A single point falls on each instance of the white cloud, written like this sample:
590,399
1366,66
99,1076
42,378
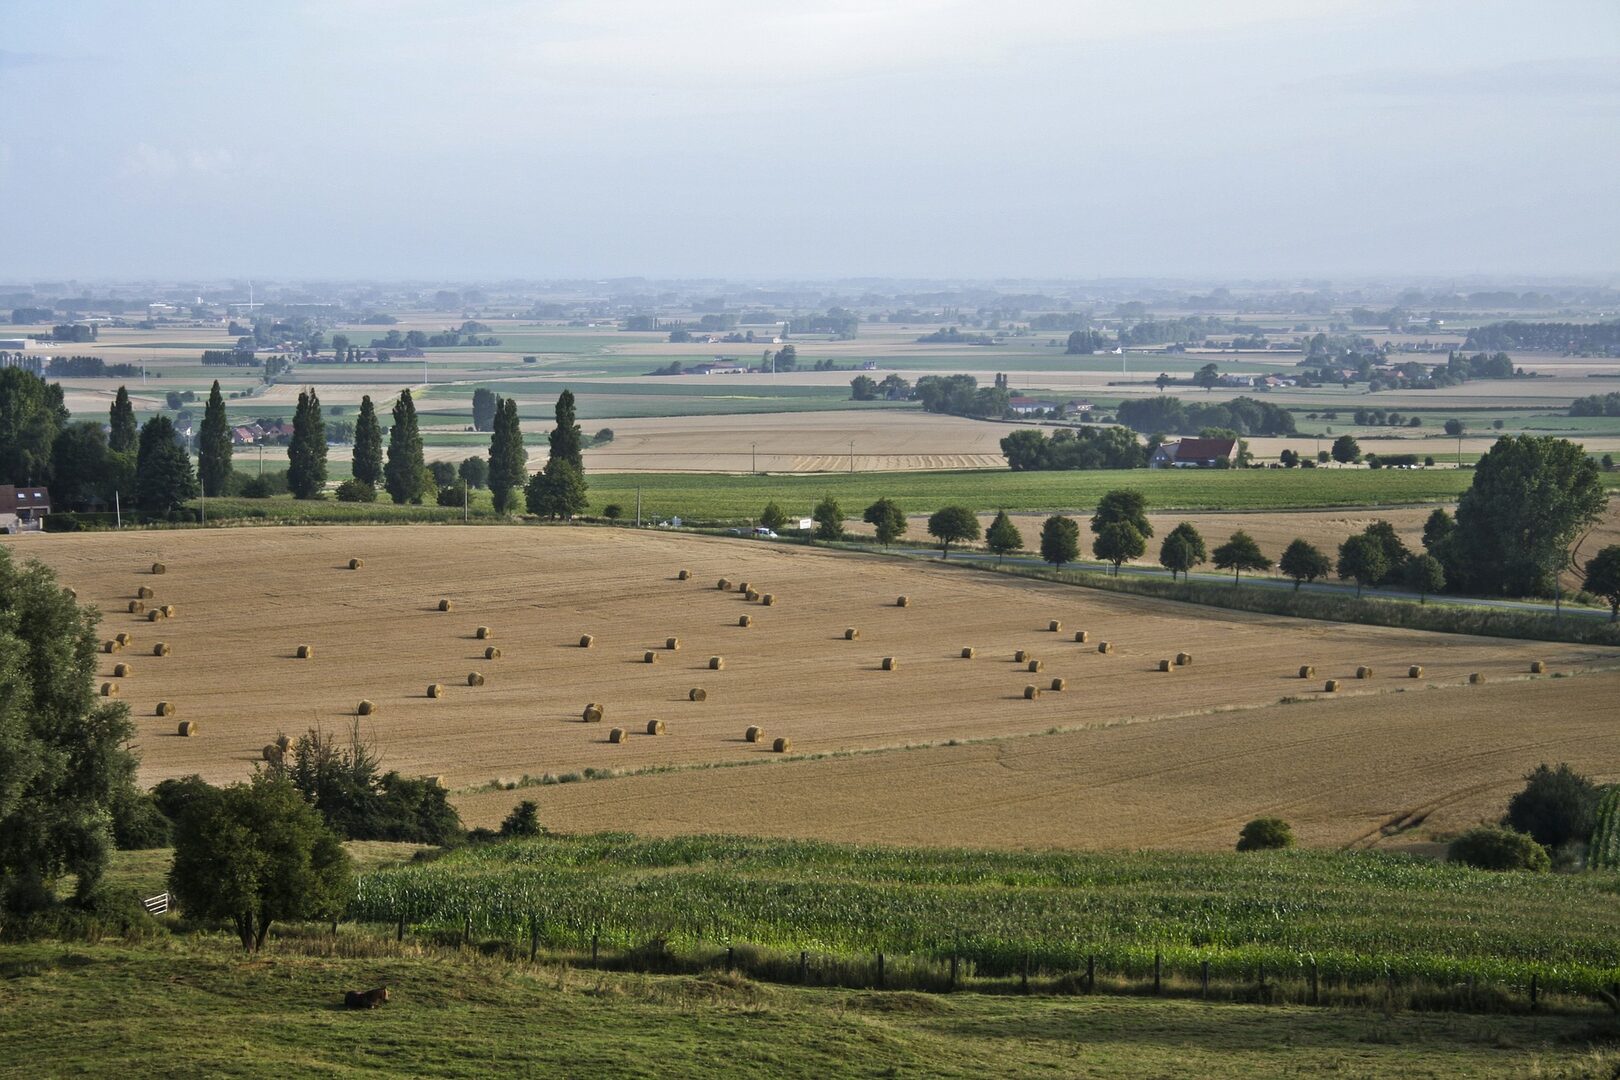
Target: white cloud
144,161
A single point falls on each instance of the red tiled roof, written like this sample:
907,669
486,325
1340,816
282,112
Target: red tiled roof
1204,449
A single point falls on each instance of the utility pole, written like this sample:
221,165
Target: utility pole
753,457
638,506
852,457
118,509
466,499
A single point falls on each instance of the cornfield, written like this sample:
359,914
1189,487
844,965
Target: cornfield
1605,848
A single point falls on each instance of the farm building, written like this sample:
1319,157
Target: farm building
1195,454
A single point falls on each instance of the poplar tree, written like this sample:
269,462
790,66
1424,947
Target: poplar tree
565,437
214,445
368,456
405,471
508,460
306,470
121,418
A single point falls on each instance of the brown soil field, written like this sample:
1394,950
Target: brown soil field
1391,771
247,598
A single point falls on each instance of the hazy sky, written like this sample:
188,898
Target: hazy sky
945,138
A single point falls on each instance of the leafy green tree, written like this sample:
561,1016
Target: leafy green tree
85,469
508,459
123,434
255,853
773,517
565,437
64,757
1530,497
31,415
888,521
1182,549
951,525
1423,574
1207,376
557,491
829,519
341,778
1060,540
1603,578
524,820
163,476
306,455
1487,847
1123,505
474,471
1362,558
787,358
1003,536
403,475
214,445
1454,428
1304,561
368,457
1556,806
1265,834
863,388
1395,552
444,474
353,491
1437,530
1240,553
1119,542
484,404
1346,450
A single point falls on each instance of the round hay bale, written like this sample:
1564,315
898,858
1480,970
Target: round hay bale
159,568
1183,659
137,608
366,708
1105,647
285,743
655,727
445,605
475,678
724,584
435,690
161,649
754,733
271,753
187,728
697,693
1058,685
617,735
484,633
592,714
649,657
306,652
1167,665
672,643
493,652
891,663
109,689
1081,636
768,599
73,593
751,596
1415,671
1538,667
852,633
744,588
1364,672
438,782
122,671
154,615
586,641
1031,692
745,620
168,611
683,575
1020,656
144,593
1476,678
164,708
1034,665
124,638
782,745
716,663
1331,686
357,564
111,645
1055,626
902,601
967,652
1306,671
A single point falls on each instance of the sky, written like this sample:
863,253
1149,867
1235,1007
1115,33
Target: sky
492,139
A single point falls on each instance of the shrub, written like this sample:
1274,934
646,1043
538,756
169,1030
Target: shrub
443,473
613,511
1491,848
1557,805
138,823
1265,834
452,494
524,820
356,491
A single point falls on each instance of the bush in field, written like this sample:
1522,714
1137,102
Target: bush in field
524,820
888,521
353,491
474,471
444,473
1557,805
773,517
1265,834
829,519
453,494
1491,848
137,822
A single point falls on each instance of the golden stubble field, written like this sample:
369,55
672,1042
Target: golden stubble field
245,599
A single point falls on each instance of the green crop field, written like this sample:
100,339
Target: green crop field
1362,917
715,497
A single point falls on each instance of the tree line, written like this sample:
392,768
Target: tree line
1172,415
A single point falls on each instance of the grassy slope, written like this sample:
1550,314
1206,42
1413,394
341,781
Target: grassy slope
195,1007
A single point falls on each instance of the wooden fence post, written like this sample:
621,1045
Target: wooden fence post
400,934
1203,978
880,971
1315,1000
1535,990
1158,966
804,966
534,937
1091,973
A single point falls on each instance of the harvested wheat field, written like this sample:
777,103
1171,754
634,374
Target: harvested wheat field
1390,772
245,599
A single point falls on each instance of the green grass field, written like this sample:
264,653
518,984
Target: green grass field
1362,917
698,496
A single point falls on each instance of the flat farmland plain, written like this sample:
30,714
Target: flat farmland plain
247,598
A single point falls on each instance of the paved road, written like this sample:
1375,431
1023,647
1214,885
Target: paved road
1328,587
